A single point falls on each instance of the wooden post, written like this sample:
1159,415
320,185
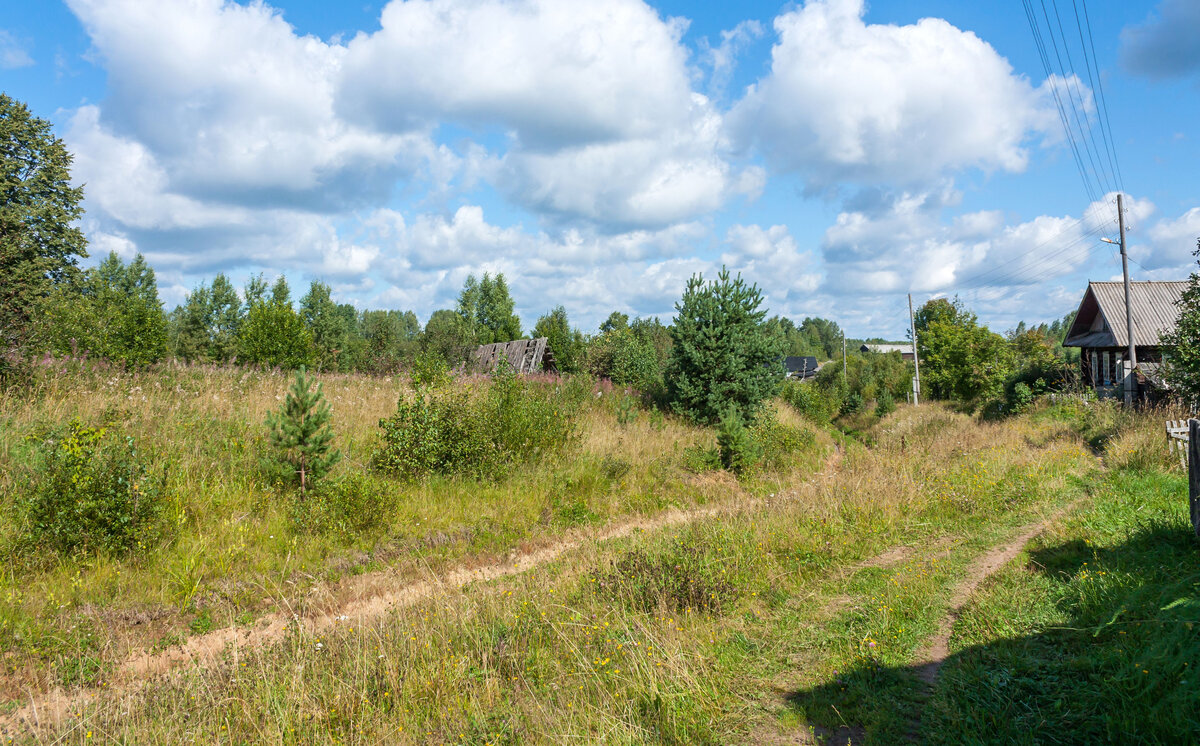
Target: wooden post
1194,473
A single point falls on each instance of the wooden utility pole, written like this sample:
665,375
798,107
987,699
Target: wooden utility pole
1131,355
912,328
843,354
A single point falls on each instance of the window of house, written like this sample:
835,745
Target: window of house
1106,370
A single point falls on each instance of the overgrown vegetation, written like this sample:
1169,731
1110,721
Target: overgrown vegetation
302,436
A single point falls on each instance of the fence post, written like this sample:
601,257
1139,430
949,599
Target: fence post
1194,473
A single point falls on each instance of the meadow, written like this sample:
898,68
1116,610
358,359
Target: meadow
622,590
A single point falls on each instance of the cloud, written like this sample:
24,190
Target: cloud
1166,44
1171,244
237,108
554,72
13,53
848,101
903,243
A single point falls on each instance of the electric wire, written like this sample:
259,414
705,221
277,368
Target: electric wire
1077,107
1043,55
1106,122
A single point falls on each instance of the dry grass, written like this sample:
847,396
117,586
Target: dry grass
547,656
237,555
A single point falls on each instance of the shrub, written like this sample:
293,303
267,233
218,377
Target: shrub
478,433
739,452
816,403
301,434
430,370
852,404
884,404
350,505
699,459
776,442
93,492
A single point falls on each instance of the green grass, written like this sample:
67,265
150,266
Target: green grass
1092,638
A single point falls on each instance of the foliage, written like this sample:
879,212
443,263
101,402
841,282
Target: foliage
852,404
391,340
776,442
301,434
566,343
739,452
487,308
624,358
723,354
478,433
429,370
334,328
205,327
449,337
868,374
884,404
1183,361
93,492
960,360
687,577
817,403
818,337
274,335
349,505
112,311
40,242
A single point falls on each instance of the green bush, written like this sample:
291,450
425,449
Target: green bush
853,403
478,433
884,404
93,492
738,450
815,402
350,505
776,442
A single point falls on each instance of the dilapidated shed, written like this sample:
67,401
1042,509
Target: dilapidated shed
524,355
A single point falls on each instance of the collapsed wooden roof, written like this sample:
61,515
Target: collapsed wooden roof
524,355
1100,321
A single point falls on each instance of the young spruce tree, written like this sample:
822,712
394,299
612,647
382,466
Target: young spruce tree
301,433
724,354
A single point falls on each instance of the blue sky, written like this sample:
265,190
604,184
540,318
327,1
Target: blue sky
839,154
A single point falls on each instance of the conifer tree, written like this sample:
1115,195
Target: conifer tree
724,354
300,431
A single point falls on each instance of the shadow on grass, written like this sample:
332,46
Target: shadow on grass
1118,663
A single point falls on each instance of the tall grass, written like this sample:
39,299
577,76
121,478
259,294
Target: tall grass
669,636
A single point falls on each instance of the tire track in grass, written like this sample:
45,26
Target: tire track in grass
205,650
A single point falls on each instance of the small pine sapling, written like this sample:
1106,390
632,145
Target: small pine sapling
301,433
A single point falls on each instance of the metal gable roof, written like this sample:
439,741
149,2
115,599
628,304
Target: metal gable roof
1152,305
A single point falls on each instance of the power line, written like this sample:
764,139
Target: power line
1106,123
1078,108
1039,42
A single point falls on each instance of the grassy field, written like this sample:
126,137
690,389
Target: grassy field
617,592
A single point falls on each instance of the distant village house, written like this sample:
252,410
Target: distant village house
1100,332
800,367
906,351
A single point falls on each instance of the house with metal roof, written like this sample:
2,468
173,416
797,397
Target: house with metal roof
1100,333
800,367
906,351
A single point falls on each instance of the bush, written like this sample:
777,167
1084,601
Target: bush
852,404
93,492
688,577
478,433
884,404
348,506
776,442
815,402
739,452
